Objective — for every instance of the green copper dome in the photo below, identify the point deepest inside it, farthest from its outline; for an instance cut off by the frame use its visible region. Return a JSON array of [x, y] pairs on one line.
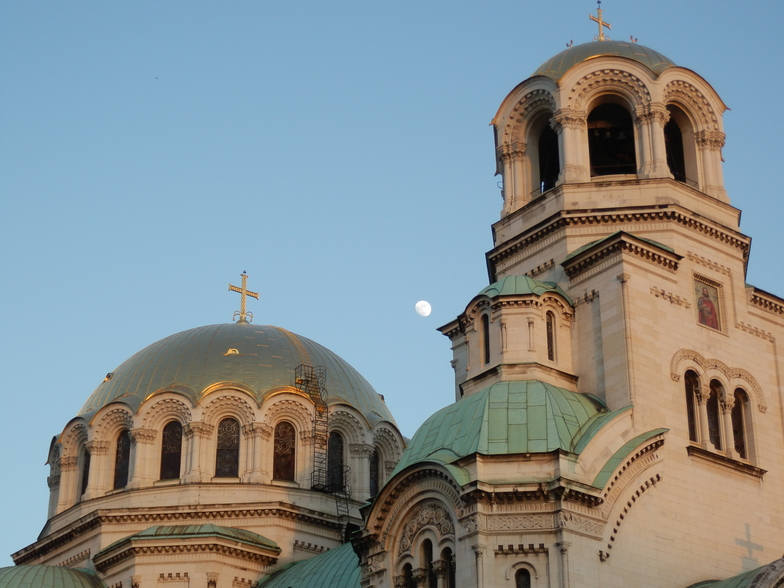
[[521, 285], [506, 418], [256, 358], [48, 577], [557, 66]]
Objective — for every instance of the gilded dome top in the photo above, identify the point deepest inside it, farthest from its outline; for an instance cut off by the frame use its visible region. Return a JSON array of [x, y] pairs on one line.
[[256, 358], [557, 66]]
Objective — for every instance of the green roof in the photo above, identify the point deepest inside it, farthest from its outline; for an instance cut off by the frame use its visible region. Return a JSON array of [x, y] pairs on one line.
[[336, 568], [39, 576], [742, 580], [507, 418], [557, 66], [519, 285], [195, 531], [259, 358], [587, 246]]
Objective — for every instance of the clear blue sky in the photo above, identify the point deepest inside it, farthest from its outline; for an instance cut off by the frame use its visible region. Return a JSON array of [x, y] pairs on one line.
[[337, 151]]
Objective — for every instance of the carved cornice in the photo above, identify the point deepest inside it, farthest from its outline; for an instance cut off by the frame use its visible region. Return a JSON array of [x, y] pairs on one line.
[[540, 269], [766, 302], [98, 519], [709, 139], [312, 547], [520, 549], [622, 243], [97, 447], [723, 460], [672, 298], [66, 563], [563, 220], [193, 548]]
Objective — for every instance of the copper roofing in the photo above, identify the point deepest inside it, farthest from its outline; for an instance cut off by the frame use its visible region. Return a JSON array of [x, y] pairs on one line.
[[520, 285], [256, 358], [40, 576], [507, 418], [557, 66], [337, 568]]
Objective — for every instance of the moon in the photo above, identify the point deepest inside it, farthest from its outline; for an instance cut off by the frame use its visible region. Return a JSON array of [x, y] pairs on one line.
[[423, 308]]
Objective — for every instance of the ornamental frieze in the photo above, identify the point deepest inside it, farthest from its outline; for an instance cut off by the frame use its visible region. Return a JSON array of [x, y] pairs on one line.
[[432, 515], [514, 522]]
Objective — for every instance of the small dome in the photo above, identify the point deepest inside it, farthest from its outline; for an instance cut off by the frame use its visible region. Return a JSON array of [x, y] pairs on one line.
[[506, 418], [520, 285], [259, 358], [557, 66], [39, 576]]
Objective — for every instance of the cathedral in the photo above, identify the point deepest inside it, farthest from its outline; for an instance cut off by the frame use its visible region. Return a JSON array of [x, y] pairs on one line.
[[617, 421]]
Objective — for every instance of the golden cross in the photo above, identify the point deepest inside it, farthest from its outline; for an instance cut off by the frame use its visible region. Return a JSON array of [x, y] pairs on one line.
[[244, 292], [600, 36]]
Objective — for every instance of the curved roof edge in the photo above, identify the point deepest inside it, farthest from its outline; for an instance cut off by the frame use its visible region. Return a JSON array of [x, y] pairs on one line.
[[37, 576], [336, 568], [520, 286]]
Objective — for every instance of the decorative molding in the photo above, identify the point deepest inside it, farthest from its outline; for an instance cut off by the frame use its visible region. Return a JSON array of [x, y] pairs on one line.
[[621, 243], [142, 550], [67, 563], [242, 583], [633, 466], [573, 522], [648, 484], [585, 298], [609, 79], [164, 409], [311, 547], [708, 263], [694, 101], [429, 514], [672, 298], [721, 459], [715, 364], [97, 447], [227, 405], [755, 331], [513, 252], [766, 302], [112, 421], [514, 522], [199, 429], [177, 577], [540, 269], [143, 436], [520, 549], [531, 102]]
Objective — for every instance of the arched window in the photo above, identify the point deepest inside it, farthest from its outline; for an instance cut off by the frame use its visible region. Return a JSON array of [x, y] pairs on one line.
[[374, 472], [549, 161], [449, 563], [171, 451], [335, 462], [85, 470], [692, 388], [714, 419], [283, 461], [611, 141], [739, 412], [408, 576], [680, 147], [486, 339], [227, 458], [426, 563], [122, 459], [522, 578], [550, 323]]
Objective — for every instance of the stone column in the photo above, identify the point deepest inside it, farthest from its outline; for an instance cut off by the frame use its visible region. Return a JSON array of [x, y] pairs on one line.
[[420, 577], [256, 434], [563, 548], [479, 552], [68, 483], [99, 464], [702, 402], [53, 481], [360, 479], [144, 461], [710, 144], [572, 145], [515, 181], [196, 433], [726, 418], [441, 569], [652, 153]]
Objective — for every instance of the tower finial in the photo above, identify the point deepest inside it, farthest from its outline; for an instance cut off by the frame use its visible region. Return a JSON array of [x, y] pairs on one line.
[[600, 36], [244, 292]]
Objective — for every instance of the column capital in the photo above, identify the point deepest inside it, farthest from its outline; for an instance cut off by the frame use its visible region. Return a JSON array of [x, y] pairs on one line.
[[362, 450], [143, 436], [420, 577], [67, 463], [440, 568], [566, 118], [511, 151], [97, 447], [198, 429]]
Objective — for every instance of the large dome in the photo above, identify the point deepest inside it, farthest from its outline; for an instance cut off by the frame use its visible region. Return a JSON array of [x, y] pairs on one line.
[[256, 358], [557, 66]]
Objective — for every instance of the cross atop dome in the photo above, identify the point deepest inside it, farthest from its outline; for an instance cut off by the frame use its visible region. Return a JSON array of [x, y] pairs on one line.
[[600, 36], [244, 293]]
